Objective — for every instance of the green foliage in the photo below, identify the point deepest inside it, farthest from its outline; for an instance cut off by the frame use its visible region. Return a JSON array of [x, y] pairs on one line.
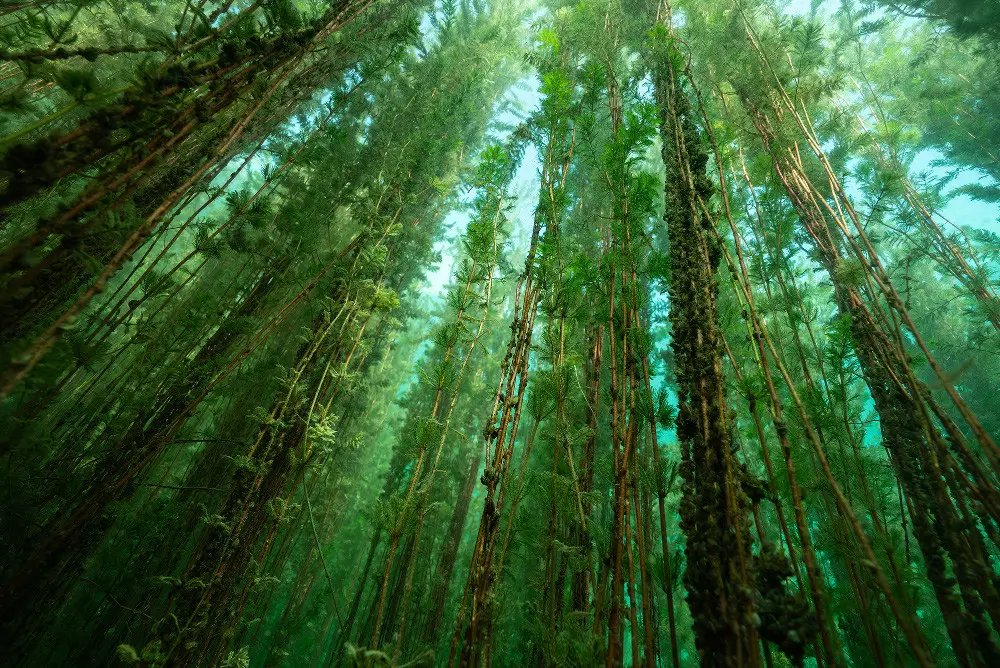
[[849, 273], [334, 454], [237, 658]]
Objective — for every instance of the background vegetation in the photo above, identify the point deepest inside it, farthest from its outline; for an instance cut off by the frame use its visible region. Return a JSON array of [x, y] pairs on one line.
[[474, 332]]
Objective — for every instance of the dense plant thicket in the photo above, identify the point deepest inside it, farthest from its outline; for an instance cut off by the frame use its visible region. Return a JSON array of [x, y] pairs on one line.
[[707, 375]]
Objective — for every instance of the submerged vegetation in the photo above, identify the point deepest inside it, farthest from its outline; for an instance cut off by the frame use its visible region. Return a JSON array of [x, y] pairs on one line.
[[475, 332]]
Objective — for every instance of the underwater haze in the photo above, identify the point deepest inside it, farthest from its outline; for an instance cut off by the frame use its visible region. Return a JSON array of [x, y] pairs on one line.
[[499, 333]]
